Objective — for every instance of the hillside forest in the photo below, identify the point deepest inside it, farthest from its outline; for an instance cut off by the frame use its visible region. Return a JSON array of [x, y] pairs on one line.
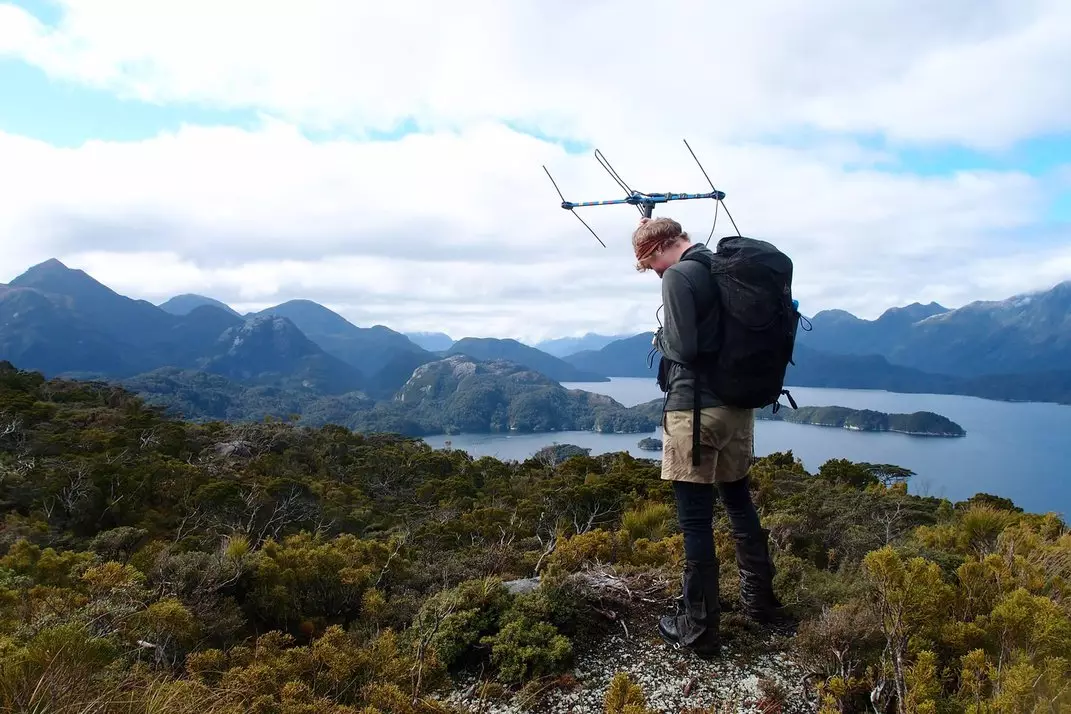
[[149, 564]]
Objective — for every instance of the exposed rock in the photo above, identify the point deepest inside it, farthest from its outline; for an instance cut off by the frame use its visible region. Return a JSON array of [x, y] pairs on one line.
[[239, 448], [754, 673], [671, 680], [523, 585]]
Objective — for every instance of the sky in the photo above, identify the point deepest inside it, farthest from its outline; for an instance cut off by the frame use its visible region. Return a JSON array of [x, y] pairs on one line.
[[387, 160]]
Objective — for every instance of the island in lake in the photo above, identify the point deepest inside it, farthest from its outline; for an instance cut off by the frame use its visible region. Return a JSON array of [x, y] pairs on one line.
[[556, 453], [650, 444], [914, 424]]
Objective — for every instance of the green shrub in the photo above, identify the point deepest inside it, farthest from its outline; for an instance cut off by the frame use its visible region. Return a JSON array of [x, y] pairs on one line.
[[525, 649], [648, 520], [457, 619]]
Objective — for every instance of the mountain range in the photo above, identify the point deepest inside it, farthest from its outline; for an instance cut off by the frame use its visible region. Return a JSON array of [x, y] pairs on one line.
[[204, 360], [1016, 349], [1022, 334], [297, 354]]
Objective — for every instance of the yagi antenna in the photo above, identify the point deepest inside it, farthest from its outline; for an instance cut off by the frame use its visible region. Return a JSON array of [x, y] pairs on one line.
[[645, 202]]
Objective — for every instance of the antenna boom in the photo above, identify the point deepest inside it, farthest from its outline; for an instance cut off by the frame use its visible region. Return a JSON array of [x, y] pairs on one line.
[[644, 201]]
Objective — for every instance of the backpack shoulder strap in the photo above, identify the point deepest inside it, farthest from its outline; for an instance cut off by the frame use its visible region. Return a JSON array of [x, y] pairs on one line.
[[706, 259], [700, 256]]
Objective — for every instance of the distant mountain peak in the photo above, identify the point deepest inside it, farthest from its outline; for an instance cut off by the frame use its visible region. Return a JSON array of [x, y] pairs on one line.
[[312, 317], [186, 303], [52, 275], [50, 264], [835, 313], [263, 334], [914, 312], [305, 302], [270, 348]]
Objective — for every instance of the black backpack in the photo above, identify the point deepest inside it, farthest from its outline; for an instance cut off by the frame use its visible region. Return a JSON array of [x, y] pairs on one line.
[[757, 325]]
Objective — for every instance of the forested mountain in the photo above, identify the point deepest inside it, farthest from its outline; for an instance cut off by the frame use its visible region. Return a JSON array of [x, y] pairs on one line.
[[124, 319], [1025, 333], [841, 332], [487, 348], [451, 395], [461, 394], [271, 350], [41, 332], [148, 564], [85, 331], [51, 308], [386, 357], [62, 321]]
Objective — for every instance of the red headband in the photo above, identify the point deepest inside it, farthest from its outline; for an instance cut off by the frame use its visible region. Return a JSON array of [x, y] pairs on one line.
[[650, 245]]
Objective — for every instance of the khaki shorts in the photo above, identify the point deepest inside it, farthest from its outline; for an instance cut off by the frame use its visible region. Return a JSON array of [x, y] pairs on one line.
[[726, 444]]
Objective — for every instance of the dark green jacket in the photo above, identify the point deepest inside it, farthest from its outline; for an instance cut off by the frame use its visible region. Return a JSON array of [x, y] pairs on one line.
[[688, 298]]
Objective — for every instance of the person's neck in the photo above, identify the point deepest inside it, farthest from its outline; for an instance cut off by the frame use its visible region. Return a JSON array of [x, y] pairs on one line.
[[679, 250]]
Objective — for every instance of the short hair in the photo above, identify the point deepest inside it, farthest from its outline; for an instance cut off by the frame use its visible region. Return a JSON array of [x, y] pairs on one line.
[[654, 234]]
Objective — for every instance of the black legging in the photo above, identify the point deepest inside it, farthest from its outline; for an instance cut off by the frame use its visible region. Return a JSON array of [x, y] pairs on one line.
[[695, 512]]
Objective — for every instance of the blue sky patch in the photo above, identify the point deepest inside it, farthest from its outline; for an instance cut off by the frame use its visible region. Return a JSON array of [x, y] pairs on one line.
[[571, 146], [49, 12], [67, 114], [1060, 210], [1034, 156], [400, 130]]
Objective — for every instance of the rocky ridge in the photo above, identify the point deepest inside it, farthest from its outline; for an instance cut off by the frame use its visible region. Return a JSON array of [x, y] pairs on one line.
[[754, 674]]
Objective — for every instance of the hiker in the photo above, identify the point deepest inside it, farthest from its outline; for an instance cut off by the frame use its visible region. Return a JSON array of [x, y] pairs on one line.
[[726, 436]]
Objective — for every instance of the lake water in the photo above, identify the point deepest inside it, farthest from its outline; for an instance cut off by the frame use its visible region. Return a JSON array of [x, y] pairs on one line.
[[1021, 451]]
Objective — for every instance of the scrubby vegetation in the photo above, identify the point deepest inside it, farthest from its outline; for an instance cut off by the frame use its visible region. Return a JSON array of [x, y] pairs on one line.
[[148, 564]]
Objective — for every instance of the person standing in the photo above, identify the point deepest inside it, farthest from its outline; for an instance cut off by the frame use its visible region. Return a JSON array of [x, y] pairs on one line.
[[726, 444]]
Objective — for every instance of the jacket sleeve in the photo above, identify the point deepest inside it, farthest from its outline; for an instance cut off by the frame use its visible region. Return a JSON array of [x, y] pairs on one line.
[[678, 339]]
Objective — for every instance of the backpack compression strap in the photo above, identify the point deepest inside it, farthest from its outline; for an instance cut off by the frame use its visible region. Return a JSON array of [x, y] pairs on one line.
[[705, 259]]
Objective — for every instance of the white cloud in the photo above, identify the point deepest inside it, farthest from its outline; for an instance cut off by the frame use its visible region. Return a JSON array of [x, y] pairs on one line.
[[983, 73], [459, 229], [463, 231]]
